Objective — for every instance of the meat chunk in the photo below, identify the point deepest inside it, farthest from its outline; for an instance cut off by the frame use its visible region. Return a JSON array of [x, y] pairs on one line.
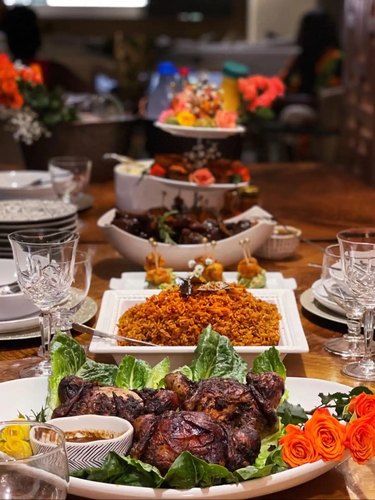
[[159, 439]]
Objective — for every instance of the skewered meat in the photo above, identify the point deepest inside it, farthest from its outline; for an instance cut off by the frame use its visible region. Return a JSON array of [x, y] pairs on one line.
[[159, 439]]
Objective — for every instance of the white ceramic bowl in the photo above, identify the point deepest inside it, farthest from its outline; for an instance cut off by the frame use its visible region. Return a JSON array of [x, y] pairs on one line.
[[93, 453], [15, 305], [135, 193], [228, 251], [18, 184]]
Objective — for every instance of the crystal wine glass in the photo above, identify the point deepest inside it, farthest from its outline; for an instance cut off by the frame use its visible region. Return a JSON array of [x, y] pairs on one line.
[[69, 175], [82, 272], [332, 280], [33, 461], [357, 247], [45, 262]]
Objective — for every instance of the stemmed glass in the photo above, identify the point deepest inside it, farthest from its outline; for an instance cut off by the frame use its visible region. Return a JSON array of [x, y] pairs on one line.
[[33, 461], [45, 262], [333, 282], [69, 175], [64, 312], [358, 257]]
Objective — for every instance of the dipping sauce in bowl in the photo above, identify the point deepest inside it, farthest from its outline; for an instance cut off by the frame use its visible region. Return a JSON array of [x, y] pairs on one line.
[[88, 435]]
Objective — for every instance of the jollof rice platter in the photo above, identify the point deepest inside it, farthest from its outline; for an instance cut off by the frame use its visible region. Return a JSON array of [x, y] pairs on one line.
[[172, 319]]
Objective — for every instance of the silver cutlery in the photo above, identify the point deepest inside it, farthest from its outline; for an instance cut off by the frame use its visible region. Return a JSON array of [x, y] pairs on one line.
[[79, 327], [10, 288]]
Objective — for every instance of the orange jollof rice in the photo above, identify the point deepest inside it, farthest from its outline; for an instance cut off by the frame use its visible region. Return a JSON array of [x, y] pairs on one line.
[[169, 318]]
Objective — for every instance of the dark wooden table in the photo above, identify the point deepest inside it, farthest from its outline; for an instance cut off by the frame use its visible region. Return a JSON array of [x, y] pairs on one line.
[[318, 199]]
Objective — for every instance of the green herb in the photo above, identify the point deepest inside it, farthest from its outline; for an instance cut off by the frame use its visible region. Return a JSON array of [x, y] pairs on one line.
[[339, 400], [291, 414], [41, 416], [166, 233]]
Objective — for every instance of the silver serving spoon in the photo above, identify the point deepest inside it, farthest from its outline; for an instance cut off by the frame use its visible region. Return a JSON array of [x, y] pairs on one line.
[[79, 327]]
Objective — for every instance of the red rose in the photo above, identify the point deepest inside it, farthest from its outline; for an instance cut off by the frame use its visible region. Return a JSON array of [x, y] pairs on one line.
[[202, 176], [157, 170]]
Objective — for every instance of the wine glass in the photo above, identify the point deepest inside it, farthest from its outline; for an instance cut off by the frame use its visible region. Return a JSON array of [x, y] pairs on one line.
[[33, 461], [63, 313], [69, 175], [333, 282], [44, 262], [357, 247]]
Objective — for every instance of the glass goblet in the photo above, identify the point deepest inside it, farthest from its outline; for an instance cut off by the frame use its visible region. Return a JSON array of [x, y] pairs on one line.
[[357, 248], [45, 262], [69, 175], [64, 312], [332, 280], [33, 461]]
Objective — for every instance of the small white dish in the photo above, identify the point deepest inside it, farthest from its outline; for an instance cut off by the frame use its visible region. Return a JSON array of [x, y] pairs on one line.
[[93, 453], [115, 302], [227, 251], [14, 305], [280, 245], [200, 132], [321, 296]]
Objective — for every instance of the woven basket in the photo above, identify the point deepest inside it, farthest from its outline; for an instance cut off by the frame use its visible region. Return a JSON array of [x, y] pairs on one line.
[[280, 246]]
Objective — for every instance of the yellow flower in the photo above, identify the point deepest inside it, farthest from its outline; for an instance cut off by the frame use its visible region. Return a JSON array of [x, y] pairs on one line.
[[15, 431], [17, 448], [186, 119]]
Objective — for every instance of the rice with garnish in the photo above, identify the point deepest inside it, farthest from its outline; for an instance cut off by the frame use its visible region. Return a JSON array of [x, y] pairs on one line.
[[170, 318]]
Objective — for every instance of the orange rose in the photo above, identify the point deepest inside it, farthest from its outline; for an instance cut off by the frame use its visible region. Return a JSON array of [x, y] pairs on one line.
[[202, 176], [226, 119], [360, 439], [327, 435], [363, 404], [297, 448]]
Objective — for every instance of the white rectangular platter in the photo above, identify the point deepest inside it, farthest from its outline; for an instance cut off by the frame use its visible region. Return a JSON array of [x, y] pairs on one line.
[[115, 302], [136, 280]]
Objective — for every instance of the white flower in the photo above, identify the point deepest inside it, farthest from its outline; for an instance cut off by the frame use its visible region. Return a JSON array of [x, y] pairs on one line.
[[25, 126], [208, 261]]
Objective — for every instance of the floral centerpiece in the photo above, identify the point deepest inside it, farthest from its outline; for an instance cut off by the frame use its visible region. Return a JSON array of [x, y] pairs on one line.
[[258, 94], [28, 108]]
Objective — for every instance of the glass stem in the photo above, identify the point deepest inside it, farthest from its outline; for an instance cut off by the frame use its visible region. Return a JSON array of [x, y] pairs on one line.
[[354, 326], [45, 332], [368, 322]]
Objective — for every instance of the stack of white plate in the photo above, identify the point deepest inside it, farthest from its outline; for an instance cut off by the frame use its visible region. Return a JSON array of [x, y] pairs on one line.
[[18, 215]]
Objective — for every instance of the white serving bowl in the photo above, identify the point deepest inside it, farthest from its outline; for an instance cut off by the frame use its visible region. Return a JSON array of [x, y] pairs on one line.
[[227, 251], [135, 192], [14, 305], [93, 453]]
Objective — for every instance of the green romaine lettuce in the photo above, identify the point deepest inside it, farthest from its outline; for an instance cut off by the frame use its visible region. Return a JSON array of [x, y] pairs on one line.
[[269, 361], [216, 357], [67, 357], [132, 373], [102, 373]]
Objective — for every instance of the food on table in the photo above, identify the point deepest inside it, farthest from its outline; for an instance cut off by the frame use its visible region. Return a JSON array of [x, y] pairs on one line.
[[88, 435], [249, 273], [80, 397], [180, 227], [157, 275], [199, 168], [206, 269], [199, 104], [174, 318]]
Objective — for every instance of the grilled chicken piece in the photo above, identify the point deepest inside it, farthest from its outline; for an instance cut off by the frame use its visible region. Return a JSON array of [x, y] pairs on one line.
[[79, 397], [159, 439], [229, 401]]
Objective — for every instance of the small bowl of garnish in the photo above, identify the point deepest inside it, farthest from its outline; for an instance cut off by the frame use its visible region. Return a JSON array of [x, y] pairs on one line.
[[281, 244], [89, 438]]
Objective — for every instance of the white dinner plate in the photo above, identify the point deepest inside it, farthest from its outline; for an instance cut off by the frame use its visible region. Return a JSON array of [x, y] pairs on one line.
[[192, 186], [321, 296], [200, 132], [28, 210], [17, 184], [311, 305], [136, 280], [115, 302], [29, 394]]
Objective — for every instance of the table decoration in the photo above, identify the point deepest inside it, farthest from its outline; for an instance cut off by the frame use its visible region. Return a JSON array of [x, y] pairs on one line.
[[29, 110]]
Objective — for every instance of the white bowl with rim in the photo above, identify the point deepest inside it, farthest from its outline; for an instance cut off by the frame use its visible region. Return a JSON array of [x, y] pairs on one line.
[[227, 251], [13, 305], [93, 453], [21, 184]]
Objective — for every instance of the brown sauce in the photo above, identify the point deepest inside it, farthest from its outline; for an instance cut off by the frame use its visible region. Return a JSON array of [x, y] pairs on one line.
[[87, 435]]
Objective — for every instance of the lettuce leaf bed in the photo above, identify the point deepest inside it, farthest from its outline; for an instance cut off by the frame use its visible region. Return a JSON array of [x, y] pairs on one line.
[[213, 357]]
